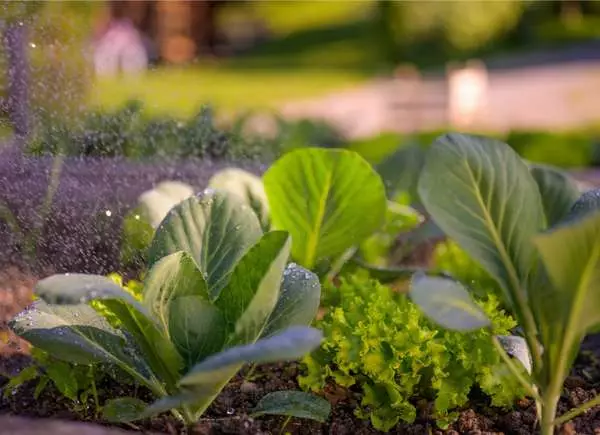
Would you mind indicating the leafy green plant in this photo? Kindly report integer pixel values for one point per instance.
(74, 381)
(131, 133)
(78, 383)
(485, 197)
(378, 340)
(218, 294)
(564, 149)
(319, 196)
(293, 404)
(329, 200)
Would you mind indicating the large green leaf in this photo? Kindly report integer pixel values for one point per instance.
(61, 374)
(571, 306)
(293, 404)
(215, 228)
(171, 277)
(78, 288)
(137, 236)
(291, 344)
(298, 303)
(78, 334)
(197, 328)
(123, 409)
(400, 170)
(74, 288)
(559, 192)
(481, 194)
(204, 381)
(387, 274)
(154, 345)
(253, 288)
(447, 302)
(247, 187)
(329, 200)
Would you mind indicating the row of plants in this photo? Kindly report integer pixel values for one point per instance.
(219, 291)
(130, 132)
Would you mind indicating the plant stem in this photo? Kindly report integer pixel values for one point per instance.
(94, 392)
(202, 405)
(188, 415)
(250, 372)
(515, 370)
(339, 263)
(549, 406)
(284, 425)
(577, 411)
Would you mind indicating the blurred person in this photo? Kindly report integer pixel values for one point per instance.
(119, 47)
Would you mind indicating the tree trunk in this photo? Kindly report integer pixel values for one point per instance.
(15, 45)
(204, 25)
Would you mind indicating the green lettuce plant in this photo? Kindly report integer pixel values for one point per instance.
(218, 294)
(378, 340)
(519, 225)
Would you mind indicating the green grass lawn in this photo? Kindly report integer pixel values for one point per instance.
(318, 47)
(180, 92)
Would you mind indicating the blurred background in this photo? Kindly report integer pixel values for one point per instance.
(133, 77)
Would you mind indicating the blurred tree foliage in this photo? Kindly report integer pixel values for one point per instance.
(58, 52)
(451, 29)
(11, 10)
(450, 26)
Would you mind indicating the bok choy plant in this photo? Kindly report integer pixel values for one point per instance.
(525, 228)
(218, 294)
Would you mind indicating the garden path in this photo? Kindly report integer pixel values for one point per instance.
(544, 90)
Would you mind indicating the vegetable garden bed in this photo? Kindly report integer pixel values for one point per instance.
(93, 198)
(229, 413)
